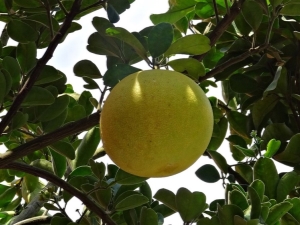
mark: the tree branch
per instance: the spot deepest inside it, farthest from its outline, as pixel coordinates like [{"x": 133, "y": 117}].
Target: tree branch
[
  {"x": 40, "y": 65},
  {"x": 223, "y": 25},
  {"x": 64, "y": 185},
  {"x": 232, "y": 61},
  {"x": 36, "y": 220},
  {"x": 50, "y": 138}
]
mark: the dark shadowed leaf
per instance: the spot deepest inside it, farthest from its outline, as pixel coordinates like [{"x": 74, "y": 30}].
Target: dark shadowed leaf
[
  {"x": 114, "y": 74},
  {"x": 125, "y": 178},
  {"x": 130, "y": 202},
  {"x": 12, "y": 67},
  {"x": 26, "y": 56},
  {"x": 129, "y": 38},
  {"x": 295, "y": 210},
  {"x": 242, "y": 84},
  {"x": 112, "y": 14},
  {"x": 86, "y": 68},
  {"x": 48, "y": 75},
  {"x": 291, "y": 9},
  {"x": 227, "y": 212},
  {"x": 208, "y": 173},
  {"x": 38, "y": 96},
  {"x": 21, "y": 32},
  {"x": 159, "y": 39},
  {"x": 98, "y": 169},
  {"x": 252, "y": 13},
  {"x": 291, "y": 152},
  {"x": 220, "y": 160},
  {"x": 219, "y": 132},
  {"x": 190, "y": 205},
  {"x": 148, "y": 217},
  {"x": 167, "y": 197},
  {"x": 80, "y": 171},
  {"x": 286, "y": 184},
  {"x": 64, "y": 148}
]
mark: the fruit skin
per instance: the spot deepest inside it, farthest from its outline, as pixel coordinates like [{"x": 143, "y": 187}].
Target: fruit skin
[{"x": 156, "y": 123}]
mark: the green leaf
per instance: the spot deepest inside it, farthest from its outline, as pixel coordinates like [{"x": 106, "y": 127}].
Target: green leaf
[
  {"x": 194, "y": 44},
  {"x": 227, "y": 212},
  {"x": 112, "y": 14},
  {"x": 148, "y": 217},
  {"x": 43, "y": 164},
  {"x": 286, "y": 184},
  {"x": 87, "y": 147},
  {"x": 64, "y": 148},
  {"x": 245, "y": 171},
  {"x": 75, "y": 113},
  {"x": 125, "y": 178},
  {"x": 238, "y": 199},
  {"x": 54, "y": 110},
  {"x": 190, "y": 205},
  {"x": 208, "y": 173},
  {"x": 38, "y": 96},
  {"x": 86, "y": 68},
  {"x": 116, "y": 73},
  {"x": 241, "y": 83},
  {"x": 291, "y": 152},
  {"x": 57, "y": 220},
  {"x": 104, "y": 195},
  {"x": 26, "y": 56},
  {"x": 252, "y": 13},
  {"x": 7, "y": 196},
  {"x": 277, "y": 211},
  {"x": 219, "y": 160},
  {"x": 238, "y": 123},
  {"x": 180, "y": 10},
  {"x": 259, "y": 187},
  {"x": 12, "y": 67},
  {"x": 55, "y": 123},
  {"x": 288, "y": 219},
  {"x": 59, "y": 164},
  {"x": 98, "y": 169},
  {"x": 262, "y": 108},
  {"x": 160, "y": 39},
  {"x": 279, "y": 83},
  {"x": 290, "y": 9},
  {"x": 295, "y": 210},
  {"x": 131, "y": 202},
  {"x": 7, "y": 80},
  {"x": 85, "y": 101},
  {"x": 31, "y": 182},
  {"x": 145, "y": 189},
  {"x": 49, "y": 74},
  {"x": 3, "y": 88},
  {"x": 246, "y": 151},
  {"x": 91, "y": 84},
  {"x": 167, "y": 197},
  {"x": 255, "y": 203},
  {"x": 129, "y": 38},
  {"x": 29, "y": 3},
  {"x": 80, "y": 171},
  {"x": 265, "y": 170},
  {"x": 193, "y": 67},
  {"x": 219, "y": 132},
  {"x": 18, "y": 120},
  {"x": 77, "y": 182},
  {"x": 272, "y": 147},
  {"x": 21, "y": 32}
]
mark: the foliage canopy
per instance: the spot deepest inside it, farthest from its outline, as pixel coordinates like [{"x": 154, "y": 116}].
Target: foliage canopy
[{"x": 251, "y": 46}]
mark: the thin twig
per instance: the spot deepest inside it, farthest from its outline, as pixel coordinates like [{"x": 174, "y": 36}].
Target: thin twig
[
  {"x": 223, "y": 25},
  {"x": 64, "y": 185},
  {"x": 50, "y": 138},
  {"x": 40, "y": 65},
  {"x": 62, "y": 7},
  {"x": 231, "y": 62},
  {"x": 48, "y": 10},
  {"x": 216, "y": 11}
]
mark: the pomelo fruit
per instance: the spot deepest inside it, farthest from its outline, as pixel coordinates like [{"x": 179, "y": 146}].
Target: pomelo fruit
[{"x": 156, "y": 123}]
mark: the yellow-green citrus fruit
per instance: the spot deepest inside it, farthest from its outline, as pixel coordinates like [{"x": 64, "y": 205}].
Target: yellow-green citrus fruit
[{"x": 156, "y": 123}]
